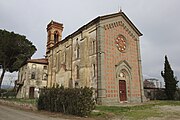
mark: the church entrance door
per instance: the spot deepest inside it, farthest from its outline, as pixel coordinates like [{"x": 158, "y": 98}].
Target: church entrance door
[{"x": 122, "y": 90}]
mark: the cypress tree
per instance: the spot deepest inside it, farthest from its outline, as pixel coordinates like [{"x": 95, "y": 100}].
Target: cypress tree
[{"x": 169, "y": 79}]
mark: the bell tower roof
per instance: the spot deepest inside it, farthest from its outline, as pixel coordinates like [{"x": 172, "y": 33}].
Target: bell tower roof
[{"x": 54, "y": 24}]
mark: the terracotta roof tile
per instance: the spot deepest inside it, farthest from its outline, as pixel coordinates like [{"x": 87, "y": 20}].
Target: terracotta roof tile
[{"x": 40, "y": 61}]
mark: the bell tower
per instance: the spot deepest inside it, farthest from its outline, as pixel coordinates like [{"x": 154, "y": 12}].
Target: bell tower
[{"x": 54, "y": 34}]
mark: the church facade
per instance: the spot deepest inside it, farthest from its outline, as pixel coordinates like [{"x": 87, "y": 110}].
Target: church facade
[{"x": 103, "y": 54}]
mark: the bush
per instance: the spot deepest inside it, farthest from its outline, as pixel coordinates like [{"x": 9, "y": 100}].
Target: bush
[
  {"x": 75, "y": 101},
  {"x": 177, "y": 94},
  {"x": 7, "y": 93}
]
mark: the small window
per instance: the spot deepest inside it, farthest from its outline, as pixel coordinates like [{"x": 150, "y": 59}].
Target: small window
[
  {"x": 33, "y": 75},
  {"x": 34, "y": 66},
  {"x": 45, "y": 76},
  {"x": 25, "y": 67},
  {"x": 45, "y": 67},
  {"x": 76, "y": 85}
]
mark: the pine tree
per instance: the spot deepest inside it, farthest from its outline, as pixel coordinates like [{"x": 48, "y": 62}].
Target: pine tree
[
  {"x": 15, "y": 49},
  {"x": 169, "y": 79}
]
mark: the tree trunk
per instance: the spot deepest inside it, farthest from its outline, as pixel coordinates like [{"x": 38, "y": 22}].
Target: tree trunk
[{"x": 2, "y": 76}]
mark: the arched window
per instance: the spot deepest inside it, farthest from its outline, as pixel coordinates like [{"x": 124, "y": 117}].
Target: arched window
[
  {"x": 77, "y": 49},
  {"x": 65, "y": 55},
  {"x": 93, "y": 47},
  {"x": 93, "y": 70},
  {"x": 56, "y": 36},
  {"x": 77, "y": 71},
  {"x": 77, "y": 52}
]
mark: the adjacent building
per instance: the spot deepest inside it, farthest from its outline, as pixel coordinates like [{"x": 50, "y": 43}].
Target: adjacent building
[
  {"x": 103, "y": 54},
  {"x": 31, "y": 77}
]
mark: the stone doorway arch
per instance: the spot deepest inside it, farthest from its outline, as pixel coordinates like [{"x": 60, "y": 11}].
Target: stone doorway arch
[{"x": 123, "y": 81}]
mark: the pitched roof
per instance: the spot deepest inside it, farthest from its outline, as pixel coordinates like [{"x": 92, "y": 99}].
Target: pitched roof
[
  {"x": 99, "y": 18},
  {"x": 40, "y": 61},
  {"x": 96, "y": 20}
]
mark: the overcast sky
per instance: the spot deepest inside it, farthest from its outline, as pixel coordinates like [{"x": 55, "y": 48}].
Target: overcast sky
[{"x": 158, "y": 20}]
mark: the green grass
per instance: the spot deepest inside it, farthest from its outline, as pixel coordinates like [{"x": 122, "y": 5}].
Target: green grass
[
  {"x": 133, "y": 112},
  {"x": 27, "y": 101},
  {"x": 167, "y": 102}
]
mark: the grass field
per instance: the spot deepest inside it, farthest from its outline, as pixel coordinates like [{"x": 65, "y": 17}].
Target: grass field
[
  {"x": 147, "y": 110},
  {"x": 28, "y": 101}
]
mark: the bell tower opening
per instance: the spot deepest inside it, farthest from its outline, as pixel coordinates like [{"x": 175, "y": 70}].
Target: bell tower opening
[{"x": 56, "y": 37}]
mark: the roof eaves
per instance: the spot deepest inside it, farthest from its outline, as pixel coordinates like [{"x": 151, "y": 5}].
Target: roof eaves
[
  {"x": 131, "y": 24},
  {"x": 125, "y": 17},
  {"x": 39, "y": 61},
  {"x": 86, "y": 26},
  {"x": 96, "y": 20}
]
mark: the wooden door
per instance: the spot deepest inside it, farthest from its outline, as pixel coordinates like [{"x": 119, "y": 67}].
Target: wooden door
[
  {"x": 31, "y": 92},
  {"x": 122, "y": 90}
]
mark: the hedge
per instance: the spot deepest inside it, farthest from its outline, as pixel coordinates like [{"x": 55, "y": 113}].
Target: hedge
[{"x": 75, "y": 101}]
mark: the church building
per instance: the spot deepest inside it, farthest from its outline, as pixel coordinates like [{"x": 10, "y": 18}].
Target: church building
[{"x": 103, "y": 54}]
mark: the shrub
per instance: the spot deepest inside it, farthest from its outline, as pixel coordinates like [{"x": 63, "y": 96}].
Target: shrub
[
  {"x": 75, "y": 101},
  {"x": 7, "y": 93}
]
